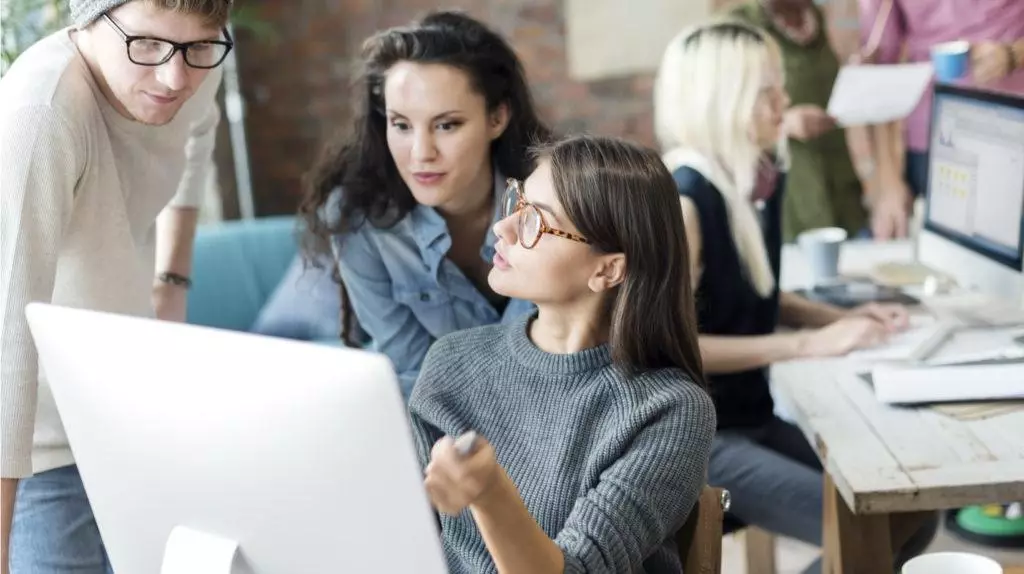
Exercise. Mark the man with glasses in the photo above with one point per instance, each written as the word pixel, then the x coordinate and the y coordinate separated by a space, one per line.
pixel 107 132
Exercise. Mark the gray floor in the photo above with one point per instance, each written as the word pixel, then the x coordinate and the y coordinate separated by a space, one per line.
pixel 792 556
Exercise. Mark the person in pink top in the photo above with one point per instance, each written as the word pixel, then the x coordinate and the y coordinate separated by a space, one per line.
pixel 995 31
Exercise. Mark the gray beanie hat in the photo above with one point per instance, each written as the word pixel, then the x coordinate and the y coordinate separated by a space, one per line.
pixel 85 12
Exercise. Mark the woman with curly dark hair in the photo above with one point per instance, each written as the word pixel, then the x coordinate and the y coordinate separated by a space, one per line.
pixel 406 200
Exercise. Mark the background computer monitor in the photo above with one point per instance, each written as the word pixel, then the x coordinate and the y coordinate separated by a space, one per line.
pixel 300 453
pixel 974 218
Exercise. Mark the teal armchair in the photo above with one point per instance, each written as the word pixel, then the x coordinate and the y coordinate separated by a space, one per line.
pixel 236 267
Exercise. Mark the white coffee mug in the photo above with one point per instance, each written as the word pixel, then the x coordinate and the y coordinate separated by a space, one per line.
pixel 820 248
pixel 951 563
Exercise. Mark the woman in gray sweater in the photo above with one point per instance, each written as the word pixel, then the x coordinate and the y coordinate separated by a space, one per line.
pixel 578 437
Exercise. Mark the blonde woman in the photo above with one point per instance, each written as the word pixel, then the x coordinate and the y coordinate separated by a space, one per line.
pixel 719 105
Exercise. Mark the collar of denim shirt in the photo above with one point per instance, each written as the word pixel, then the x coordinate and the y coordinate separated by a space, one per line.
pixel 430 231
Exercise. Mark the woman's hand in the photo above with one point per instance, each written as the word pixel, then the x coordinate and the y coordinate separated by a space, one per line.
pixel 454 480
pixel 845 335
pixel 807 121
pixel 893 317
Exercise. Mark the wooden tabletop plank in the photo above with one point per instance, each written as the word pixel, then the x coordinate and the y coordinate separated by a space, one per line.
pixel 978 483
pixel 972 473
pixel 910 440
pixel 851 451
pixel 948 487
pixel 960 436
pixel 1003 435
pixel 890 459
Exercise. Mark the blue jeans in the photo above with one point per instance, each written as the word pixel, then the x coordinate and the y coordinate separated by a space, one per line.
pixel 775 480
pixel 53 530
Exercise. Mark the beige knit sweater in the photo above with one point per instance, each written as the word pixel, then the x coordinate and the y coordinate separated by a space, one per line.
pixel 81 187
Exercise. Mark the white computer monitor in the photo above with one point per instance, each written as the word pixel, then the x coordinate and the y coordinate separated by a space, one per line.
pixel 974 212
pixel 300 454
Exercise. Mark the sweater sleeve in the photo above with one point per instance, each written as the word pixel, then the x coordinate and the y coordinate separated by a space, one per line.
pixel 199 147
pixel 40 156
pixel 645 496
pixel 436 368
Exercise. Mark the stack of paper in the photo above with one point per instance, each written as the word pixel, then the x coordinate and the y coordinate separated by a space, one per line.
pixel 986 380
pixel 877 94
pixel 972 364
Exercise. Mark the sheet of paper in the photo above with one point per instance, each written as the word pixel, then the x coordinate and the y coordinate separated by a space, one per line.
pixel 896 384
pixel 877 94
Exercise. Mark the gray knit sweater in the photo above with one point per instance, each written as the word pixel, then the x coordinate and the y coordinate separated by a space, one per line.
pixel 608 466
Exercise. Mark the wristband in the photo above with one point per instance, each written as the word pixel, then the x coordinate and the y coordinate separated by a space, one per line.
pixel 175 279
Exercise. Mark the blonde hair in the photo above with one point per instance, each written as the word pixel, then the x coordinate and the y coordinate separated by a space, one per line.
pixel 704 97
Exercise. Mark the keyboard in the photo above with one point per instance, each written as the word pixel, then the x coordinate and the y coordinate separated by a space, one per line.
pixel 924 336
pixel 946 341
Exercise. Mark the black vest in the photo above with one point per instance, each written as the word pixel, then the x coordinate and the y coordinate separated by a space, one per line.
pixel 727 303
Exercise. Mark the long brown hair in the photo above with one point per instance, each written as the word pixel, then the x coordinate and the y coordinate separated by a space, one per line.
pixel 622 198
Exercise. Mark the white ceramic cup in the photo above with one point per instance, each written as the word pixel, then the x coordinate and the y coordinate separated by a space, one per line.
pixel 821 251
pixel 951 563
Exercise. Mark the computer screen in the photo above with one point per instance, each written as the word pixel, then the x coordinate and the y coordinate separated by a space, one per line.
pixel 201 448
pixel 976 173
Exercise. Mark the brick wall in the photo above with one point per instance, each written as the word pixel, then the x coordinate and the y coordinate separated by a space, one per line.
pixel 296 88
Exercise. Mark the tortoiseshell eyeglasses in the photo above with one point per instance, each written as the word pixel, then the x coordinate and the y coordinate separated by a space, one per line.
pixel 531 221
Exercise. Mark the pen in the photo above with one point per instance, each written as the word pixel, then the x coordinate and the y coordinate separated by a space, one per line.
pixel 465 443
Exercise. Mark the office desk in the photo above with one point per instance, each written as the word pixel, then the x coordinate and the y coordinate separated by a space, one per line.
pixel 882 463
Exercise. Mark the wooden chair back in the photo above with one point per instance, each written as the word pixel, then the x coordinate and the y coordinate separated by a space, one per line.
pixel 700 538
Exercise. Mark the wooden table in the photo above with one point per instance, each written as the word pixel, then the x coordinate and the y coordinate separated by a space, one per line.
pixel 883 464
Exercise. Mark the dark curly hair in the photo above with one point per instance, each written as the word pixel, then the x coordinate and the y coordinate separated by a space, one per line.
pixel 359 162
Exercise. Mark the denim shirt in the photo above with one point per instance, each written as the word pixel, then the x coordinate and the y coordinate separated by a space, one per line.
pixel 406 293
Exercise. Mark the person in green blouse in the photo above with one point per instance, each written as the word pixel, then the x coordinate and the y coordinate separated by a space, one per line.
pixel 822 189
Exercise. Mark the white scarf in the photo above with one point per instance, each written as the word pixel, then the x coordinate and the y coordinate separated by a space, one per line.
pixel 743 221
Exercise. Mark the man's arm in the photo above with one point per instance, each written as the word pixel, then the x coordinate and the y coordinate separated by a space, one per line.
pixel 176 230
pixel 991 61
pixel 883 33
pixel 176 225
pixel 862 155
pixel 9 489
pixel 890 208
pixel 39 153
